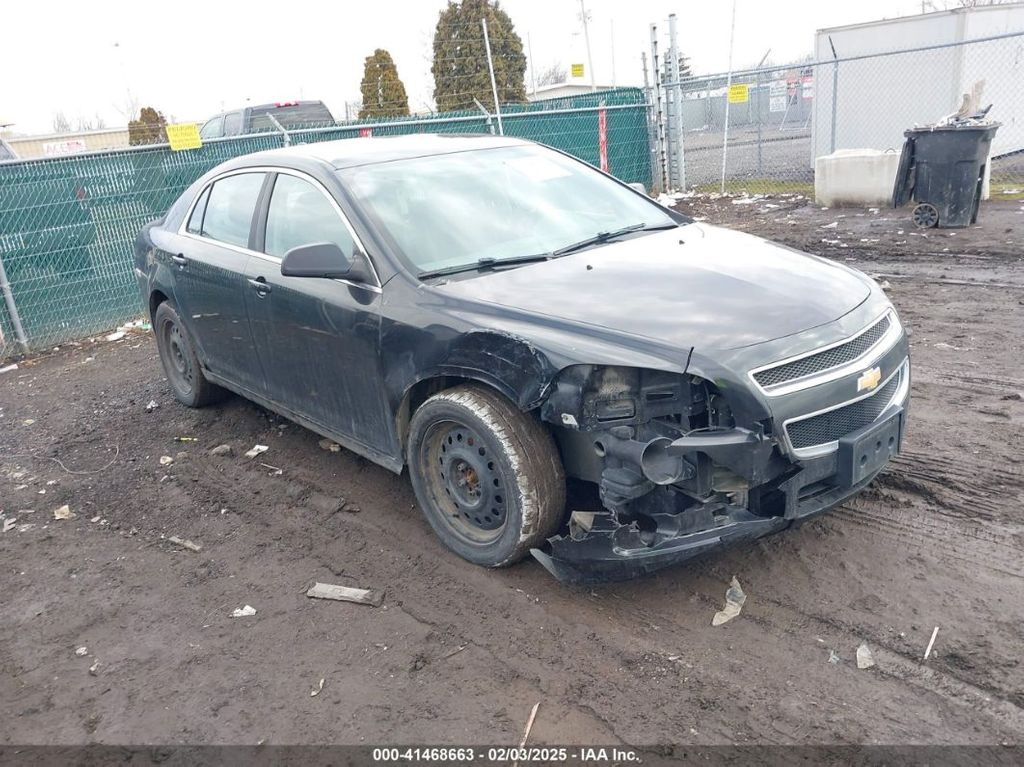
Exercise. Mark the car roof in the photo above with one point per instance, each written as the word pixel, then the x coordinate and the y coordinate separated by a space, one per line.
pixel 285 104
pixel 351 152
pixel 7 151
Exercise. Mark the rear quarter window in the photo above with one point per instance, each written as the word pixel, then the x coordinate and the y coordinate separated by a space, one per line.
pixel 213 128
pixel 195 221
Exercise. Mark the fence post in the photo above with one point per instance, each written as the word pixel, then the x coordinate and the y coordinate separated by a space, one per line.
pixel 286 140
pixel 678 150
pixel 12 309
pixel 652 139
pixel 659 117
pixel 494 85
pixel 835 91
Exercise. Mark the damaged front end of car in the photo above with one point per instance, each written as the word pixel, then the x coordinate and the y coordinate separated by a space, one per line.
pixel 680 469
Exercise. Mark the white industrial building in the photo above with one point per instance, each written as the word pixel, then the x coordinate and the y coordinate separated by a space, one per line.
pixel 880 96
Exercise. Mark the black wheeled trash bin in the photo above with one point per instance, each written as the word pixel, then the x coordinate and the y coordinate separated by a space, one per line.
pixel 941 169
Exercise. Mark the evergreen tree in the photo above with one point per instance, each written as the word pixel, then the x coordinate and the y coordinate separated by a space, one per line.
pixel 383 92
pixel 460 56
pixel 148 129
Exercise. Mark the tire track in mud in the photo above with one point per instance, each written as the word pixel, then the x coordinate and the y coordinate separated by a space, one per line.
pixel 895 665
pixel 898 665
pixel 987 550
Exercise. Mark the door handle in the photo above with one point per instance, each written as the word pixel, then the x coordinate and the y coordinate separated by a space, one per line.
pixel 179 259
pixel 260 286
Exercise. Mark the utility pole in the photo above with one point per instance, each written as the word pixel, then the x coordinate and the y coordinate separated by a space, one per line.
pixel 612 27
pixel 586 39
pixel 728 87
pixel 533 72
pixel 678 160
pixel 494 84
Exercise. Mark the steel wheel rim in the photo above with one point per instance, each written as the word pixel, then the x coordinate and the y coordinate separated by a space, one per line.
pixel 179 366
pixel 464 480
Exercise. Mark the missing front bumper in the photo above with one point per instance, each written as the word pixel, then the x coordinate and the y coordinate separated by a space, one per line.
pixel 610 552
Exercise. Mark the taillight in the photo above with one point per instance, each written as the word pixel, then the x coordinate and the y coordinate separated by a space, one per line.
pixel 286 104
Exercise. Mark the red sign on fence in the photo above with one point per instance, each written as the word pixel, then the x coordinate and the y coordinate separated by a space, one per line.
pixel 365 132
pixel 602 137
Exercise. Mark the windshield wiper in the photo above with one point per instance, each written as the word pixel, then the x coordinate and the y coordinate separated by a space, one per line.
pixel 484 263
pixel 602 237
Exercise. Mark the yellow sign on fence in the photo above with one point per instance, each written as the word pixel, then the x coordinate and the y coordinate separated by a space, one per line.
pixel 184 136
pixel 577 70
pixel 739 94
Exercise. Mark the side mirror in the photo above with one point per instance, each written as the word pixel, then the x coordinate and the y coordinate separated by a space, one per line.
pixel 636 186
pixel 322 259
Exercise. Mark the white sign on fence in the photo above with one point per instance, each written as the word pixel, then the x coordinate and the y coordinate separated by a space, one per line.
pixel 778 103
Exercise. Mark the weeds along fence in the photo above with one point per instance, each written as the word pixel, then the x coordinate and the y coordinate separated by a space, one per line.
pixel 67 225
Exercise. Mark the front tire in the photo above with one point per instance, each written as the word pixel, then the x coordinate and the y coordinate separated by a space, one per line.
pixel 178 357
pixel 487 476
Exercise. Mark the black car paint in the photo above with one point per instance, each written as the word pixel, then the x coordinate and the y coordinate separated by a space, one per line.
pixel 352 360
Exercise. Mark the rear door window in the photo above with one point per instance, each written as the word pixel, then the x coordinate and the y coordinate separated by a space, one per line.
pixel 230 208
pixel 233 124
pixel 301 214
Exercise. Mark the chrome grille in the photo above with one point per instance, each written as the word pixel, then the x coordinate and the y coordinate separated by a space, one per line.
pixel 826 360
pixel 828 427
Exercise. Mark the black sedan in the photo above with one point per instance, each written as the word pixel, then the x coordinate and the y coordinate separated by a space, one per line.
pixel 519 329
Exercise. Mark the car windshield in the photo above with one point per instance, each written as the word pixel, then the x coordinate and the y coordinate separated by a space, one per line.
pixel 445 211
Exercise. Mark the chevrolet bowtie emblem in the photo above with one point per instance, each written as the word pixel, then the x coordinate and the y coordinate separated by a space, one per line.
pixel 869 379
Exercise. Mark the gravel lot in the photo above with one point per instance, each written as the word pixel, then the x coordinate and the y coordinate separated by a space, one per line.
pixel 457 654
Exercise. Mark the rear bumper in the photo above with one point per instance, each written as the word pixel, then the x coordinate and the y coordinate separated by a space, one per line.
pixel 608 551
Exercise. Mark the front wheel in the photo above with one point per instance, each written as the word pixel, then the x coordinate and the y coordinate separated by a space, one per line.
pixel 487 476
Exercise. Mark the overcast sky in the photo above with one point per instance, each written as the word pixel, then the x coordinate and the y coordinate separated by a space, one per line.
pixel 192 58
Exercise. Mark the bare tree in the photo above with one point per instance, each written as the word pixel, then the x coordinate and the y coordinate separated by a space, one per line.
pixel 553 74
pixel 61 123
pixel 949 5
pixel 129 108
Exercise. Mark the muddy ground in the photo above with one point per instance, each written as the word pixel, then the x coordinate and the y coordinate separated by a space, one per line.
pixel 458 654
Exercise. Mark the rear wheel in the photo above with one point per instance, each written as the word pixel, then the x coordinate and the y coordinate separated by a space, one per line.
pixel 178 356
pixel 487 476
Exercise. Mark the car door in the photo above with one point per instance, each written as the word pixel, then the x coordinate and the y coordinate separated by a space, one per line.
pixel 210 282
pixel 318 338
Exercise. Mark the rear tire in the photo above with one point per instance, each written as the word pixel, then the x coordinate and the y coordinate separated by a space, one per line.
pixel 178 357
pixel 487 476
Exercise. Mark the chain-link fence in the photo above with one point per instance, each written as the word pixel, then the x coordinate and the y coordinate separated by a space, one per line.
pixel 760 130
pixel 67 225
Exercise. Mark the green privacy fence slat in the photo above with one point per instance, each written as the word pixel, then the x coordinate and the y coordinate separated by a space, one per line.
pixel 67 225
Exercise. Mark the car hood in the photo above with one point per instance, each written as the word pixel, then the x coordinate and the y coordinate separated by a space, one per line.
pixel 697 286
